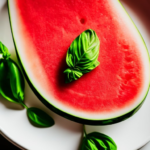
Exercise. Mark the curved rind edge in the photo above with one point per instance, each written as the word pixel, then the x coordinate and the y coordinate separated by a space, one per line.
pixel 137 31
pixel 69 116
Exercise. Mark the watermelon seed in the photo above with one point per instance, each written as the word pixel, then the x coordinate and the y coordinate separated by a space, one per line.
pixel 83 20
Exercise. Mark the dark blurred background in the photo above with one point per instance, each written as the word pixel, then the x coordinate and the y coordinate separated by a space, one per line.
pixel 5 145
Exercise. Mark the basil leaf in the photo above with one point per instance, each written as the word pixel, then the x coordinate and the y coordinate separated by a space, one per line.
pixel 5 88
pixel 16 80
pixel 98 141
pixel 4 51
pixel 88 145
pixel 72 75
pixel 39 117
pixel 82 55
pixel 11 81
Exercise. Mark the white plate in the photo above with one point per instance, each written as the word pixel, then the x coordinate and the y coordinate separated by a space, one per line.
pixel 66 135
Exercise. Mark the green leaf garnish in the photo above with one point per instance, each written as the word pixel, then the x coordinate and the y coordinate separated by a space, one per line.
pixel 82 55
pixel 39 117
pixel 98 141
pixel 12 88
pixel 4 51
pixel 5 88
pixel 16 80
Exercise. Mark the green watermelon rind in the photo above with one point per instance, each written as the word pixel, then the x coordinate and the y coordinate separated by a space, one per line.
pixel 72 116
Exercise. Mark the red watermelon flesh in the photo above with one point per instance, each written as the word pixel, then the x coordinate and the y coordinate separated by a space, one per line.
pixel 49 27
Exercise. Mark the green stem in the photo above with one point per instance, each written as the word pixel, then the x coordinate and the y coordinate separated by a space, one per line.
pixel 23 104
pixel 84 131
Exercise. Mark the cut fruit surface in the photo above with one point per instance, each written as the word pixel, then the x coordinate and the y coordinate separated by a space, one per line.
pixel 43 32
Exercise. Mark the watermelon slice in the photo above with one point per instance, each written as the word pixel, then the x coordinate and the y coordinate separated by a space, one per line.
pixel 42 33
